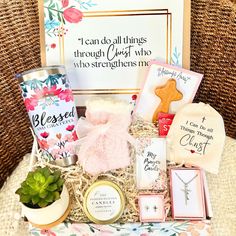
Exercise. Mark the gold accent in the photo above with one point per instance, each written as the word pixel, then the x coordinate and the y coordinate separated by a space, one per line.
pixel 116 188
pixel 186 37
pixel 141 10
pixel 170 37
pixel 186 29
pixel 62 46
pixel 42 32
pixel 186 34
pixel 87 14
pixel 167 40
pixel 105 91
pixel 131 13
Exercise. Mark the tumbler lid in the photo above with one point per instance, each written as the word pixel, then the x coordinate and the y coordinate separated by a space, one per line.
pixel 40 73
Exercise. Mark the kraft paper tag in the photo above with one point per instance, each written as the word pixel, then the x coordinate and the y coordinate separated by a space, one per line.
pixel 197 137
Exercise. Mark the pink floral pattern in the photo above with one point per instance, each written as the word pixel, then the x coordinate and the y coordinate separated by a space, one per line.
pixel 49 95
pixel 66 95
pixel 31 103
pixel 187 228
pixel 46 93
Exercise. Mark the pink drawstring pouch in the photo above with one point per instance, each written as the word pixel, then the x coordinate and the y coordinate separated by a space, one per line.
pixel 103 135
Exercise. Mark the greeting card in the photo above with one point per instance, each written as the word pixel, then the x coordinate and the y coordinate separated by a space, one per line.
pixel 197 137
pixel 106 45
pixel 166 89
pixel 151 163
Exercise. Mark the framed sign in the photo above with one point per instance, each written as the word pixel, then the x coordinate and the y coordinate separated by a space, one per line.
pixel 106 45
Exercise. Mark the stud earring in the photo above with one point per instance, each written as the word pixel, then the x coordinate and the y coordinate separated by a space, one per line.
pixel 147 208
pixel 155 208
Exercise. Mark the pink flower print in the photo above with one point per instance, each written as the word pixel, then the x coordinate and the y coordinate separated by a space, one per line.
pixel 134 97
pixel 66 95
pixel 51 91
pixel 52 142
pixel 72 15
pixel 43 144
pixel 30 103
pixel 65 3
pixel 44 134
pixel 38 94
pixel 53 45
pixel 70 127
pixel 68 138
pixel 60 31
pixel 74 135
pixel 47 232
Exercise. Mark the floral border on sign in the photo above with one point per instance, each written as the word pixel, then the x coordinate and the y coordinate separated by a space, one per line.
pixel 59 13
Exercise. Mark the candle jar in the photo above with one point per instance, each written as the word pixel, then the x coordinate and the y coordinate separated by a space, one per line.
pixel 52 112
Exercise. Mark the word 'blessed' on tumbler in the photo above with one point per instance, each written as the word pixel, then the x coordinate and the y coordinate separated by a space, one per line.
pixel 49 101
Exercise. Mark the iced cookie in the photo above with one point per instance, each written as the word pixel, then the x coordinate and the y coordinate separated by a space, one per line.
pixel 167 93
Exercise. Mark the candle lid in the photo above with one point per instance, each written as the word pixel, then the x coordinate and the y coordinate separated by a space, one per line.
pixel 104 202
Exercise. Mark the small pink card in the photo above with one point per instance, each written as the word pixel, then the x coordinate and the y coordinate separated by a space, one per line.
pixel 187 83
pixel 151 208
pixel 187 193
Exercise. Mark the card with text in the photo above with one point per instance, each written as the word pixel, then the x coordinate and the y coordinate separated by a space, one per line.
pixel 197 137
pixel 151 163
pixel 156 91
pixel 103 49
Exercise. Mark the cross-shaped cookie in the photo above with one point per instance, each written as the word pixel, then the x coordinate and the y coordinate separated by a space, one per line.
pixel 167 93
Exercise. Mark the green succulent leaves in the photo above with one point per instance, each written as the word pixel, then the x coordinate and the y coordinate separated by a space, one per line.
pixel 41 188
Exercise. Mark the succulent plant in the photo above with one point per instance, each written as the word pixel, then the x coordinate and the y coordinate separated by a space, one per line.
pixel 40 188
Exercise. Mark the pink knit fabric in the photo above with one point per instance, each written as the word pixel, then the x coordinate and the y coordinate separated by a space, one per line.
pixel 104 141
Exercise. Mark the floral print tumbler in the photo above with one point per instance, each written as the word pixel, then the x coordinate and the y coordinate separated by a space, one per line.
pixel 52 112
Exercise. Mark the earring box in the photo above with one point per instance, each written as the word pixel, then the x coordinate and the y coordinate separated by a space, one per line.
pixel 187 193
pixel 151 207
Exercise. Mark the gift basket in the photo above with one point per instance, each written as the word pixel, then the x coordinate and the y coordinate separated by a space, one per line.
pixel 119 163
pixel 125 165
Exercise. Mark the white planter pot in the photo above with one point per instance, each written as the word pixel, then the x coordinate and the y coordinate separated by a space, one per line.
pixel 49 214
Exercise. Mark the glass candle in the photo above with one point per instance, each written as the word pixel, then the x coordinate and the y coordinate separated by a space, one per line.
pixel 49 101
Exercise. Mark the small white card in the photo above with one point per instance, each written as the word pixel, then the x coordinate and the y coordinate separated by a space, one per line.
pixel 187 193
pixel 151 163
pixel 187 83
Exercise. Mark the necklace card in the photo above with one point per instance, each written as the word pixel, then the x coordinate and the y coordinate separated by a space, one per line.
pixel 151 163
pixel 187 193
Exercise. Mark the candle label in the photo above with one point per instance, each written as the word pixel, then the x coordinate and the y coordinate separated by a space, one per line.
pixel 104 202
pixel 50 105
pixel 151 163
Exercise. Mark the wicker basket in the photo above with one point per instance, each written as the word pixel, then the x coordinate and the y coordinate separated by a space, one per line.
pixel 213 49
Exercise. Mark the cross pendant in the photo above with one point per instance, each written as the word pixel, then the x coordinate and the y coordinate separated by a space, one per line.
pixel 186 193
